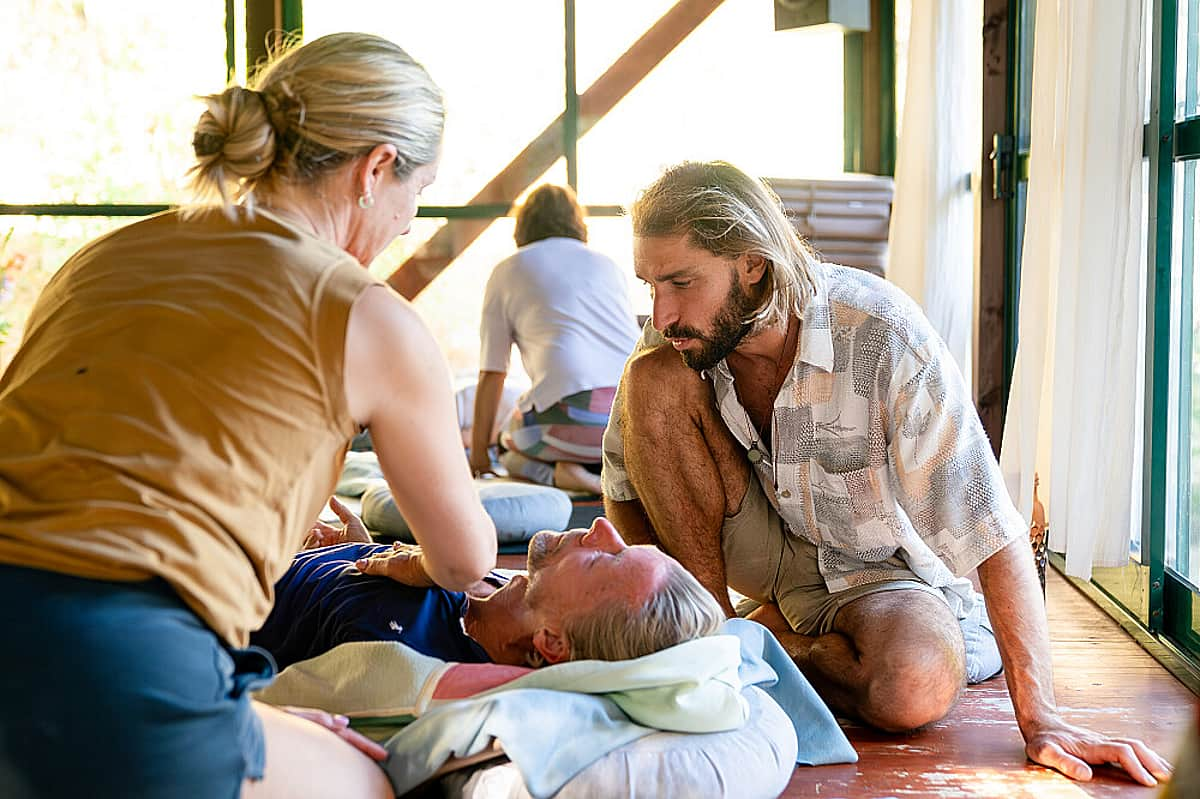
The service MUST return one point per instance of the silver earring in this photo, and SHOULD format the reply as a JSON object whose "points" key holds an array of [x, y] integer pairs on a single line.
{"points": [[365, 200]]}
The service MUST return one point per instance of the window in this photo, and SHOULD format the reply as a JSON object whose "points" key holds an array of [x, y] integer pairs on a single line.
{"points": [[1165, 567], [104, 92], [120, 78], [504, 79]]}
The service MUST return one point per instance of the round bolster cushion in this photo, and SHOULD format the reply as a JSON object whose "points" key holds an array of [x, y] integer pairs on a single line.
{"points": [[517, 509], [753, 762]]}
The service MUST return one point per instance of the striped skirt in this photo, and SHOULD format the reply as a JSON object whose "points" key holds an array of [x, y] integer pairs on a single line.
{"points": [[570, 430]]}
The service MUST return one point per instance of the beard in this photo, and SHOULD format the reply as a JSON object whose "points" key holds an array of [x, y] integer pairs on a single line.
{"points": [[728, 329], [540, 547]]}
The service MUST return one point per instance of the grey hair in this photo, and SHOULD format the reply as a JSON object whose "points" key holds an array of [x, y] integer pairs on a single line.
{"points": [[310, 109], [726, 212], [679, 610]]}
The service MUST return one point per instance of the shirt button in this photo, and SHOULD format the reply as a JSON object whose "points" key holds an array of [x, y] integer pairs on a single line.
{"points": [[785, 493]]}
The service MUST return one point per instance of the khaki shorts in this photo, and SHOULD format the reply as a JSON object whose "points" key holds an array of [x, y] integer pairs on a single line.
{"points": [[767, 564]]}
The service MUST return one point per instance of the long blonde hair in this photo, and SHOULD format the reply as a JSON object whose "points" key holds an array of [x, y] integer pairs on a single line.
{"points": [[310, 109], [723, 210]]}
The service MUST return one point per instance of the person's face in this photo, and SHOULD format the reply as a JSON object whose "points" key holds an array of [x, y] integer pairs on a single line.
{"points": [[393, 211], [401, 195], [700, 299], [576, 570]]}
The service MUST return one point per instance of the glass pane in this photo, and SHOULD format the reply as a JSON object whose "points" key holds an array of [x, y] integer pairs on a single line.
{"points": [[1178, 406], [1186, 61], [1136, 498], [1129, 584], [32, 248], [710, 98], [1147, 52], [501, 73], [1025, 73], [453, 303], [101, 96], [451, 306], [1022, 201], [613, 236], [1184, 556]]}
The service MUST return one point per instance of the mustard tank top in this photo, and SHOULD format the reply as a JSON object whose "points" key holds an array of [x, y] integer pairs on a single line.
{"points": [[177, 409]]}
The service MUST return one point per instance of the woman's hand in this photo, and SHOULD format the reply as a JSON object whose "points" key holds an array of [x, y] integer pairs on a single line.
{"points": [[481, 464], [403, 563], [339, 725], [352, 531]]}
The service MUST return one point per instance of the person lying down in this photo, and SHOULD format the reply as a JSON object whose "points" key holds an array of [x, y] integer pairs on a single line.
{"points": [[585, 595]]}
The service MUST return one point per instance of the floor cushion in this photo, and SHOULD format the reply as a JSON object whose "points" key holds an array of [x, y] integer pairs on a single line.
{"points": [[754, 761], [359, 472], [517, 509]]}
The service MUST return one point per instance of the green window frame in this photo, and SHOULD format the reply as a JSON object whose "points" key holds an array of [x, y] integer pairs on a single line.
{"points": [[1153, 600], [1173, 150]]}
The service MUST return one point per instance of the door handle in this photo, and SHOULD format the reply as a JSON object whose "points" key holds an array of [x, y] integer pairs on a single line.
{"points": [[1002, 166]]}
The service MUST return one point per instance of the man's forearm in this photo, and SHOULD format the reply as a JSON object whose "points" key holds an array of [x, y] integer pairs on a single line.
{"points": [[630, 520], [634, 526], [1018, 614]]}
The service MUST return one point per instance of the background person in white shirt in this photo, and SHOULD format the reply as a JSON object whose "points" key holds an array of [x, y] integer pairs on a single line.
{"points": [[876, 489], [567, 309]]}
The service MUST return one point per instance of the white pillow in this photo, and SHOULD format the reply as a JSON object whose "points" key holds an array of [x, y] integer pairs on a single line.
{"points": [[755, 760]]}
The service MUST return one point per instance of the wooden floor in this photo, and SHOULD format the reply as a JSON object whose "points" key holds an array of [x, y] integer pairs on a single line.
{"points": [[1103, 680]]}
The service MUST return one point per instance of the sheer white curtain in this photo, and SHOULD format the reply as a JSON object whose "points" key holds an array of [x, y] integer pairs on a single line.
{"points": [[931, 240], [1072, 409]]}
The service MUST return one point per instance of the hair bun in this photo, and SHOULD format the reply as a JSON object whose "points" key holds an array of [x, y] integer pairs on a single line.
{"points": [[234, 144], [205, 143]]}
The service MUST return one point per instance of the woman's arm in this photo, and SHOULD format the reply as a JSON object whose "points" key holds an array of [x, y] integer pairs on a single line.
{"points": [[398, 385], [487, 405]]}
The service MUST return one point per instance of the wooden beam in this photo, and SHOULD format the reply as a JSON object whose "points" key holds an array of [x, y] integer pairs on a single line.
{"points": [[547, 147], [990, 394]]}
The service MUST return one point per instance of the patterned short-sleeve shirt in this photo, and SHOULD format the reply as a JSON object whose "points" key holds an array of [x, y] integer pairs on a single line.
{"points": [[875, 450]]}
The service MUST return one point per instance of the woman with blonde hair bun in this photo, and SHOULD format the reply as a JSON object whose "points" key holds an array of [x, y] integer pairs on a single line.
{"points": [[176, 417]]}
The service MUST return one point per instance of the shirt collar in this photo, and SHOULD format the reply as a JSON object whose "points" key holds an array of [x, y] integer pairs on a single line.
{"points": [[816, 330]]}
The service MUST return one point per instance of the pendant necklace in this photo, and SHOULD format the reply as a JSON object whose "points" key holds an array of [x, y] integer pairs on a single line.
{"points": [[755, 455]]}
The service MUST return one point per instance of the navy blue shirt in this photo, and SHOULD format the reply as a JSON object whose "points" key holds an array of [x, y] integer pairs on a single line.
{"points": [[323, 601]]}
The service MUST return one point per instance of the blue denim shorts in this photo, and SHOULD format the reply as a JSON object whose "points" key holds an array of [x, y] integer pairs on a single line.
{"points": [[112, 689]]}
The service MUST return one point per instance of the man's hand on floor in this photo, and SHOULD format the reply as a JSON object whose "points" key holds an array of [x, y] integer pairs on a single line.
{"points": [[1073, 750]]}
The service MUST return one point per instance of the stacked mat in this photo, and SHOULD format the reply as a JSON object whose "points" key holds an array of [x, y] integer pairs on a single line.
{"points": [[844, 218]]}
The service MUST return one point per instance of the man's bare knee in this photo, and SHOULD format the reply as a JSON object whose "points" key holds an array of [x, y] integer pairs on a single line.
{"points": [[667, 403], [913, 688], [660, 388]]}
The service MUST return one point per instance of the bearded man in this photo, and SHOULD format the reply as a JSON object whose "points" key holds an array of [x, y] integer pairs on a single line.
{"points": [[815, 448]]}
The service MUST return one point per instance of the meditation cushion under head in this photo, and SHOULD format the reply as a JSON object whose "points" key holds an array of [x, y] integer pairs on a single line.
{"points": [[753, 762]]}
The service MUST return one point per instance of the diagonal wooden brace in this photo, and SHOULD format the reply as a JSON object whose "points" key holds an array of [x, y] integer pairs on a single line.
{"points": [[547, 147]]}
